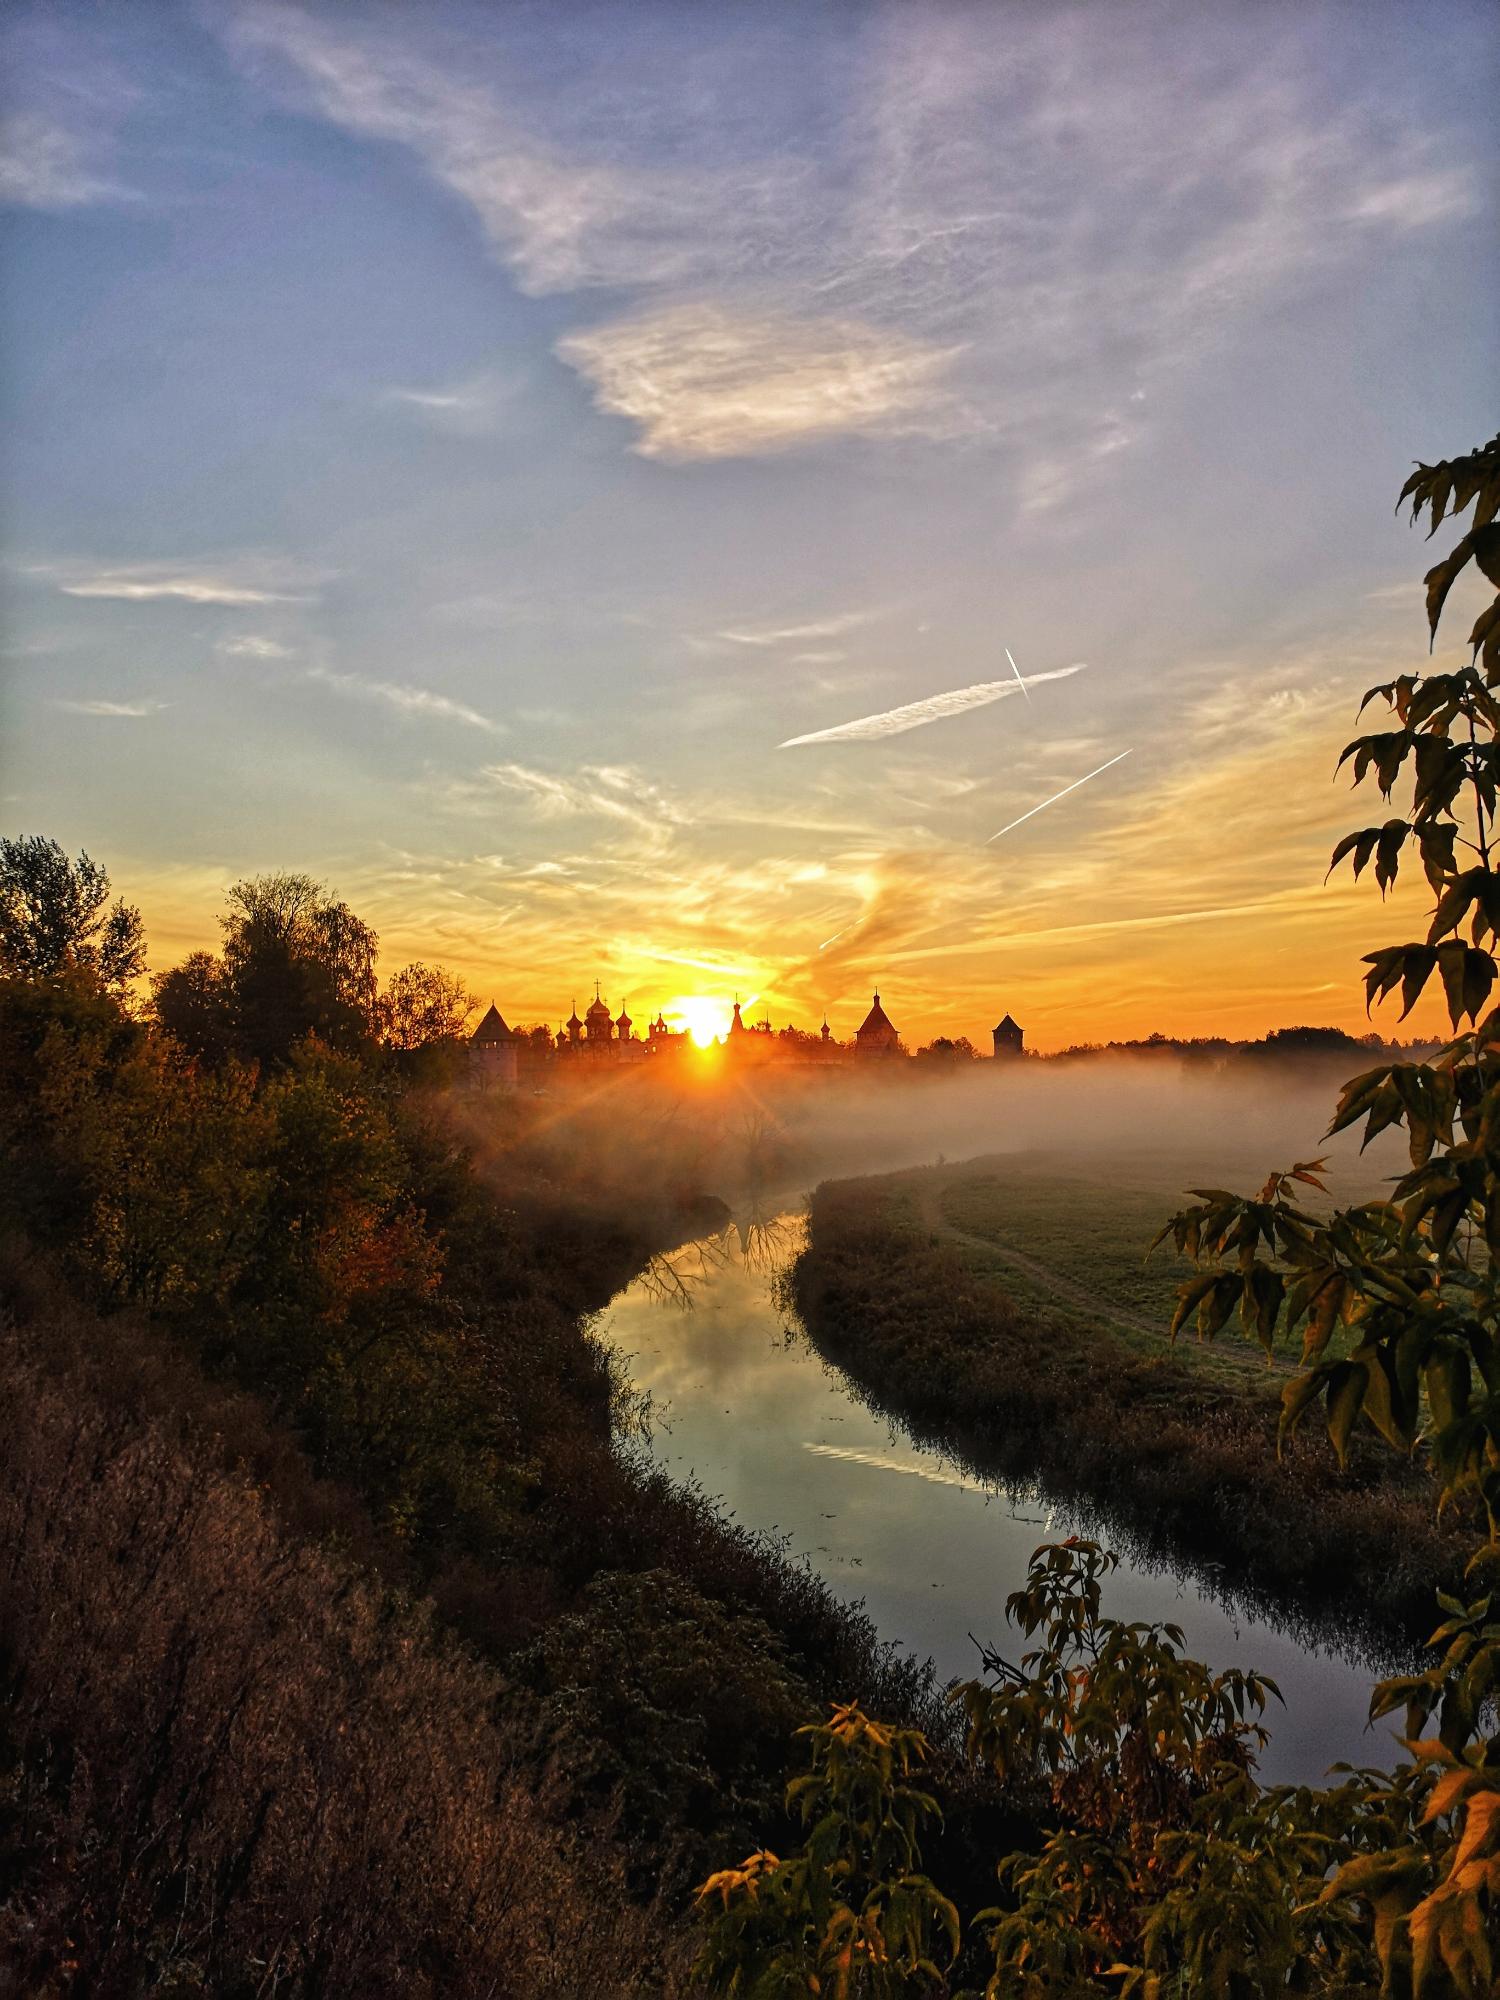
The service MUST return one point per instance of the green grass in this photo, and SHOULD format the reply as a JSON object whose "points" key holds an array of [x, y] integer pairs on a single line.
{"points": [[1177, 1445], [1091, 1230]]}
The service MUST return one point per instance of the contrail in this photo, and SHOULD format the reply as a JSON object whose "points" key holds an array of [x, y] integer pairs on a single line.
{"points": [[1060, 795], [837, 935], [1017, 672], [932, 708]]}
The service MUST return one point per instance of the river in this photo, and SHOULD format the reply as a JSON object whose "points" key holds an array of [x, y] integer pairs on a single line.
{"points": [[741, 1404]]}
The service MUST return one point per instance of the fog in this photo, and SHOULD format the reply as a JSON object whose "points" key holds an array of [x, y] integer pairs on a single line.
{"points": [[632, 1137]]}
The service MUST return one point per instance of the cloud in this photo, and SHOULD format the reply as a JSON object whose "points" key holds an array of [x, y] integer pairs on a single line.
{"points": [[250, 646], [702, 381], [43, 164], [646, 822], [561, 221], [918, 227], [785, 635], [597, 788], [246, 581], [469, 408], [133, 709], [931, 708], [410, 700]]}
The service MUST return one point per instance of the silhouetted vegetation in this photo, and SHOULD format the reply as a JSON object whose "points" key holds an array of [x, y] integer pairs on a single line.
{"points": [[308, 1221]]}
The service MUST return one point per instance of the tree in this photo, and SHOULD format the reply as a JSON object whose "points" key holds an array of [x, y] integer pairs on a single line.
{"points": [[53, 916], [192, 1002], [422, 1005], [295, 963]]}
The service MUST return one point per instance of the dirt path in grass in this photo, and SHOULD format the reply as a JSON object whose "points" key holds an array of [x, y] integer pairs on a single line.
{"points": [[929, 1202]]}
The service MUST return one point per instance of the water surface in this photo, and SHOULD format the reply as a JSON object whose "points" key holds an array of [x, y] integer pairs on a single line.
{"points": [[747, 1409]]}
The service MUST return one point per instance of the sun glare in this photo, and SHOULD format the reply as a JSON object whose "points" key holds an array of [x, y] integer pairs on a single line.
{"points": [[705, 1020]]}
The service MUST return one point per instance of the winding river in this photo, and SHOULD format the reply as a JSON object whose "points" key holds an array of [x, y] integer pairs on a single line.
{"points": [[741, 1404]]}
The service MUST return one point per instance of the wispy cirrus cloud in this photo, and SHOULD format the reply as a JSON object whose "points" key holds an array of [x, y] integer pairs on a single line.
{"points": [[832, 627], [133, 710], [931, 708], [646, 820], [47, 164], [236, 583], [252, 646], [1013, 232], [408, 700], [703, 381], [471, 407]]}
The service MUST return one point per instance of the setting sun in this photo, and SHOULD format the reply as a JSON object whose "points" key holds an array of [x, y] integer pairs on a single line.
{"points": [[704, 1019]]}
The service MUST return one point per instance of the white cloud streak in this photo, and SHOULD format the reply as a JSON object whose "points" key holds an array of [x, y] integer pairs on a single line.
{"points": [[43, 164], [250, 646], [133, 710], [409, 700], [238, 583], [932, 708], [785, 635]]}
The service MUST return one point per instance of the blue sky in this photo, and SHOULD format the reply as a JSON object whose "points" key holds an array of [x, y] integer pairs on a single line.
{"points": [[453, 450]]}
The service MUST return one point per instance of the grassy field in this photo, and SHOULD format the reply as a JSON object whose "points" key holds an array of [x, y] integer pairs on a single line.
{"points": [[1072, 1243], [1061, 1370]]}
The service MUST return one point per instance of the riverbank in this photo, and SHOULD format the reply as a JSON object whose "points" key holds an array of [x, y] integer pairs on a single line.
{"points": [[1183, 1463]]}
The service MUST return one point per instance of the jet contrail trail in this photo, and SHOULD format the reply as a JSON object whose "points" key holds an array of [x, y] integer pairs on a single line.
{"points": [[837, 935], [1017, 672], [932, 708], [1060, 795]]}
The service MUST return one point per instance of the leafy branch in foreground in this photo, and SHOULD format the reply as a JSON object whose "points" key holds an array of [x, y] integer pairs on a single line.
{"points": [[1162, 1867], [1409, 1285], [851, 1914]]}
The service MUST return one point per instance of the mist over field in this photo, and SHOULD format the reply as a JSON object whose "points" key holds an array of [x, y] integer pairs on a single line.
{"points": [[1157, 1121]]}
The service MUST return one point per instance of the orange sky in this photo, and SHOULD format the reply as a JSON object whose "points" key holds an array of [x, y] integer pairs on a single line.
{"points": [[1188, 897]]}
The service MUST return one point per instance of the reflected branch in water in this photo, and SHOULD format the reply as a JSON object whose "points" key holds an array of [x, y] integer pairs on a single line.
{"points": [[674, 1277]]}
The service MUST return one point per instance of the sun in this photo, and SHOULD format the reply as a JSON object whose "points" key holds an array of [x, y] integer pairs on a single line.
{"points": [[704, 1019]]}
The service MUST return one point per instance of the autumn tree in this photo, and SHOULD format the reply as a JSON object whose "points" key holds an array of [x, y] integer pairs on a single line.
{"points": [[295, 962], [55, 915], [423, 1005]]}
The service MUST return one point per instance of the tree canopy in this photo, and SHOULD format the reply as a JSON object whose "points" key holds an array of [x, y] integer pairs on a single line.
{"points": [[53, 916]]}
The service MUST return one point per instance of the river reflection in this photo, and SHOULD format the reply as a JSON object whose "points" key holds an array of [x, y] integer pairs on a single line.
{"points": [[784, 1443]]}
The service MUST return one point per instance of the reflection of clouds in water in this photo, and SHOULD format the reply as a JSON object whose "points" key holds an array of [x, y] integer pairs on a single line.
{"points": [[698, 1345], [930, 1473], [746, 1415]]}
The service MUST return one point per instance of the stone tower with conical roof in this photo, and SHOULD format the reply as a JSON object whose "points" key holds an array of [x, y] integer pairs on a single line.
{"points": [[1009, 1040], [876, 1034]]}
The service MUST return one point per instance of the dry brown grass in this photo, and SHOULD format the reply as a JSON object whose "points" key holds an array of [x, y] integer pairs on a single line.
{"points": [[235, 1766]]}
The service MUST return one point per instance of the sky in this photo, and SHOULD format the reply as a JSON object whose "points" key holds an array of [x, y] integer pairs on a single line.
{"points": [[590, 484]]}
